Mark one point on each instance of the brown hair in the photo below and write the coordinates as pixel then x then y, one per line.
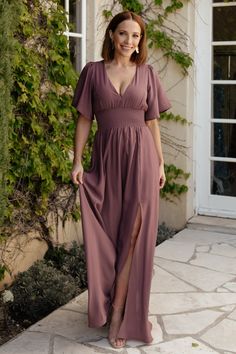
pixel 108 50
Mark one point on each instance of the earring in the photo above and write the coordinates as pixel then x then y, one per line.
pixel 137 50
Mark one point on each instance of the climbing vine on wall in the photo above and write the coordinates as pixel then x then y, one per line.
pixel 42 126
pixel 8 23
pixel 166 36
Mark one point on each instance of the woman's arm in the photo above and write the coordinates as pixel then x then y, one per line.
pixel 153 125
pixel 82 130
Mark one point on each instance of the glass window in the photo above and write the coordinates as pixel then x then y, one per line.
pixel 224 62
pixel 223 178
pixel 224 143
pixel 76 31
pixel 224 28
pixel 225 1
pixel 224 101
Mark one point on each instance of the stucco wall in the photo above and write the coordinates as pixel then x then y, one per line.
pixel 181 93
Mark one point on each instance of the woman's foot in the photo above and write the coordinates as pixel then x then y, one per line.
pixel 116 319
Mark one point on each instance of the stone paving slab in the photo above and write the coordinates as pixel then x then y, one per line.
pixel 190 323
pixel 222 335
pixel 175 303
pixel 192 306
pixel 186 345
pixel 201 238
pixel 221 264
pixel 176 251
pixel 224 250
pixel 64 346
pixel 35 343
pixel 69 324
pixel 169 283
pixel 199 277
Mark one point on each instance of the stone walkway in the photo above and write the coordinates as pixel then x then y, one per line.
pixel 192 305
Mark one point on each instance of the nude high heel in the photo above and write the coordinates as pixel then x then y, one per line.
pixel 112 339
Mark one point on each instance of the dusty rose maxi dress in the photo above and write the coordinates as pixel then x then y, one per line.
pixel 123 176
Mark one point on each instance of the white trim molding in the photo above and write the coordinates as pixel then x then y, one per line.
pixel 208 203
pixel 82 4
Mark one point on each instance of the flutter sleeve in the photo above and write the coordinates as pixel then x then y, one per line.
pixel 83 95
pixel 157 100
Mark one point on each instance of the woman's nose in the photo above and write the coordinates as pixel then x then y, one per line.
pixel 128 39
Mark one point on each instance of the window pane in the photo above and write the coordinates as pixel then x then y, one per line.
pixel 224 101
pixel 75 15
pixel 223 140
pixel 224 19
pixel 225 62
pixel 223 178
pixel 75 50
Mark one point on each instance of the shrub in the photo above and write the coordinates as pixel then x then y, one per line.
pixel 71 262
pixel 40 290
pixel 164 233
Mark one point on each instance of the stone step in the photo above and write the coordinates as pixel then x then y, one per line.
pixel 212 223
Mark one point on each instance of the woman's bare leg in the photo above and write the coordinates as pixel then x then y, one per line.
pixel 122 285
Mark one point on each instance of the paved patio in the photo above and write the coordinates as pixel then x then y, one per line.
pixel 192 305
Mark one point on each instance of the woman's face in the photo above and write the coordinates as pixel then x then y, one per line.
pixel 126 37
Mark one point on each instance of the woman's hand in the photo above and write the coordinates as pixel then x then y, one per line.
pixel 77 173
pixel 162 178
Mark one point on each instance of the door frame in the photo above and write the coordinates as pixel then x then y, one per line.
pixel 206 203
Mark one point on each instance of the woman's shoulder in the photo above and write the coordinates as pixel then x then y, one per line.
pixel 147 71
pixel 147 68
pixel 91 65
pixel 152 72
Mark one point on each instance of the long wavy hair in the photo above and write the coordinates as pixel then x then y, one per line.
pixel 108 50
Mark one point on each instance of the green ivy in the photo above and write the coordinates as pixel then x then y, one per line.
pixel 42 127
pixel 173 186
pixel 2 271
pixel 174 6
pixel 132 5
pixel 107 14
pixel 169 116
pixel 8 23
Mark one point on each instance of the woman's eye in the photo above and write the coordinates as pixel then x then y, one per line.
pixel 136 35
pixel 121 33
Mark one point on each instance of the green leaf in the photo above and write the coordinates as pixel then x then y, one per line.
pixel 194 345
pixel 107 14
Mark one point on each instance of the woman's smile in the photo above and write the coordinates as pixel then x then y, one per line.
pixel 126 47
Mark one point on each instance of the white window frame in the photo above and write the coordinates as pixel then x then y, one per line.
pixel 207 203
pixel 82 34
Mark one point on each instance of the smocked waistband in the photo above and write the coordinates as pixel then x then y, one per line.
pixel 121 117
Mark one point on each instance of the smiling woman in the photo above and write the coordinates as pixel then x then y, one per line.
pixel 125 40
pixel 119 194
pixel 128 34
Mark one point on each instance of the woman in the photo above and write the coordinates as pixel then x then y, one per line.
pixel 119 194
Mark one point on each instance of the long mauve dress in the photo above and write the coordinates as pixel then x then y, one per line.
pixel 123 176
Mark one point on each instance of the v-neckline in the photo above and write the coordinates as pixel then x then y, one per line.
pixel 111 84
